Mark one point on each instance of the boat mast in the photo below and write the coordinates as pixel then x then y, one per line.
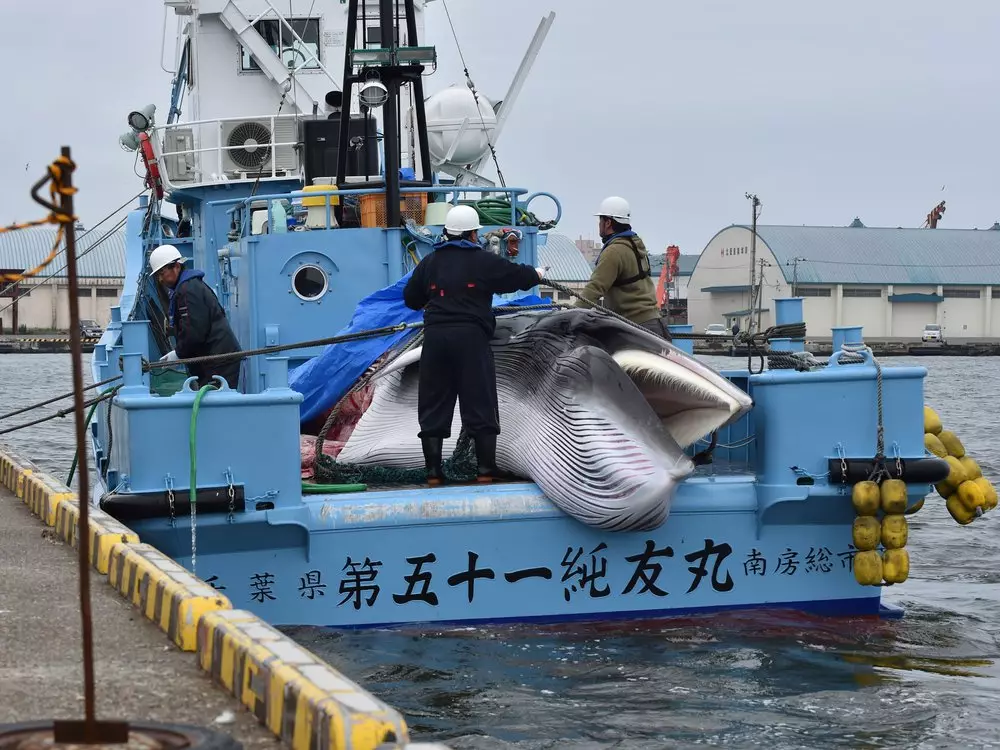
pixel 383 64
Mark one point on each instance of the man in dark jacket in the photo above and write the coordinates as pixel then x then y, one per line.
pixel 454 285
pixel 623 276
pixel 198 320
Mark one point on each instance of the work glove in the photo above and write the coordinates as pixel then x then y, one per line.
pixel 540 270
pixel 170 356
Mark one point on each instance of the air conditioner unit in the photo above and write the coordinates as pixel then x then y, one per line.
pixel 251 147
pixel 180 167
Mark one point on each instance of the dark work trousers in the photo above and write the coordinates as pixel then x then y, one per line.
pixel 228 370
pixel 457 361
pixel 659 327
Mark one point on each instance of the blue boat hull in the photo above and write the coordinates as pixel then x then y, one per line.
pixel 472 554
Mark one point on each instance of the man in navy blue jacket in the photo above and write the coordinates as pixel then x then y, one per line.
pixel 199 322
pixel 454 285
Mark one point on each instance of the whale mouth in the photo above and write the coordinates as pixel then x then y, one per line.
pixel 688 405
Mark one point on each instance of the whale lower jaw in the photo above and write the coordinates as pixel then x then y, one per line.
pixel 689 406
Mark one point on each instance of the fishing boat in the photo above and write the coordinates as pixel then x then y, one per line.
pixel 306 198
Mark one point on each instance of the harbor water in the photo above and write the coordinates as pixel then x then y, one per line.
pixel 928 680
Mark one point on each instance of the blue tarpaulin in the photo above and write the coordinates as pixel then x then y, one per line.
pixel 325 379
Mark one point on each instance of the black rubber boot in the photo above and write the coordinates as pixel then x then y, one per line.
pixel 486 459
pixel 432 459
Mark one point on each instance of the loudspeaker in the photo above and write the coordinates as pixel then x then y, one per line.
pixel 321 142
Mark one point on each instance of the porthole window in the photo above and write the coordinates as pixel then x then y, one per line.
pixel 309 283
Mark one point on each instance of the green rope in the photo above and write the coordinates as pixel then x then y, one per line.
pixel 331 489
pixel 497 211
pixel 462 466
pixel 86 423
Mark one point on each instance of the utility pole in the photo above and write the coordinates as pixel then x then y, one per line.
pixel 755 203
pixel 794 263
pixel 760 290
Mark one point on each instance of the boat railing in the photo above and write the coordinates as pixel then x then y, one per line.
pixel 315 206
pixel 198 153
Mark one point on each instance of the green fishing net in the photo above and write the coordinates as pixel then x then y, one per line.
pixel 166 382
pixel 461 466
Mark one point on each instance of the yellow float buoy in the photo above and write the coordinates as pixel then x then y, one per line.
pixel 932 422
pixel 958 511
pixel 895 565
pixel 894 531
pixel 866 532
pixel 866 498
pixel 893 496
pixel 989 492
pixel 972 470
pixel 951 443
pixel 956 473
pixel 933 443
pixel 971 495
pixel 868 568
pixel 916 506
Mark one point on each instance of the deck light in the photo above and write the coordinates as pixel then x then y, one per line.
pixel 373 94
pixel 142 119
pixel 129 141
pixel 416 55
pixel 376 56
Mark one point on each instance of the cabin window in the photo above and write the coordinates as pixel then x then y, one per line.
pixel 309 283
pixel 301 55
pixel 373 36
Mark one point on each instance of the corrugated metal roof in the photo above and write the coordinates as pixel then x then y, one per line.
pixel 685 264
pixel 564 258
pixel 883 255
pixel 26 248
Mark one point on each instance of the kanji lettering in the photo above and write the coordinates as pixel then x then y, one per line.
pixel 358 580
pixel 469 576
pixel 422 577
pixel 311 584
pixel 260 587
pixel 587 575
pixel 519 575
pixel 212 581
pixel 755 564
pixel 819 560
pixel 788 562
pixel 647 571
pixel 847 558
pixel 721 552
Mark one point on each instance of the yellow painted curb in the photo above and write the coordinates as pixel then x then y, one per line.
pixel 301 699
pixel 163 591
pixel 43 494
pixel 104 531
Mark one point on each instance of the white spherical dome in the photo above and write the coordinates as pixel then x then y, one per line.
pixel 446 111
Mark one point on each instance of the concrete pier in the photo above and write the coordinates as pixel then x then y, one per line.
pixel 168 646
pixel 139 675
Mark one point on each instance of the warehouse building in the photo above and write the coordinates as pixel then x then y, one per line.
pixel 42 303
pixel 567 265
pixel 892 282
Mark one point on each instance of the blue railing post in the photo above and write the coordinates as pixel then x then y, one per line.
pixel 277 373
pixel 685 345
pixel 135 349
pixel 788 310
pixel 846 335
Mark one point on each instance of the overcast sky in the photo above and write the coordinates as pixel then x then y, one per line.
pixel 878 109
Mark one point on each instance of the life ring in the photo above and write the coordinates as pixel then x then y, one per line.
pixel 153 179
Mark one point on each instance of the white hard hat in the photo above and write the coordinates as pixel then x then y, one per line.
pixel 617 208
pixel 163 256
pixel 462 219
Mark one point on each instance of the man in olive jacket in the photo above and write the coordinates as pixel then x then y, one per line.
pixel 622 276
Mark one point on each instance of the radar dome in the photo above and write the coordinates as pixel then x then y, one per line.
pixel 446 111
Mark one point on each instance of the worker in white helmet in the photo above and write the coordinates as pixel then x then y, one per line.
pixel 198 320
pixel 622 276
pixel 454 285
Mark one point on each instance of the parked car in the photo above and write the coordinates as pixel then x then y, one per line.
pixel 932 332
pixel 90 330
pixel 716 329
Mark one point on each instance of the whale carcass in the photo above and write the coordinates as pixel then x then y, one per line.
pixel 595 411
